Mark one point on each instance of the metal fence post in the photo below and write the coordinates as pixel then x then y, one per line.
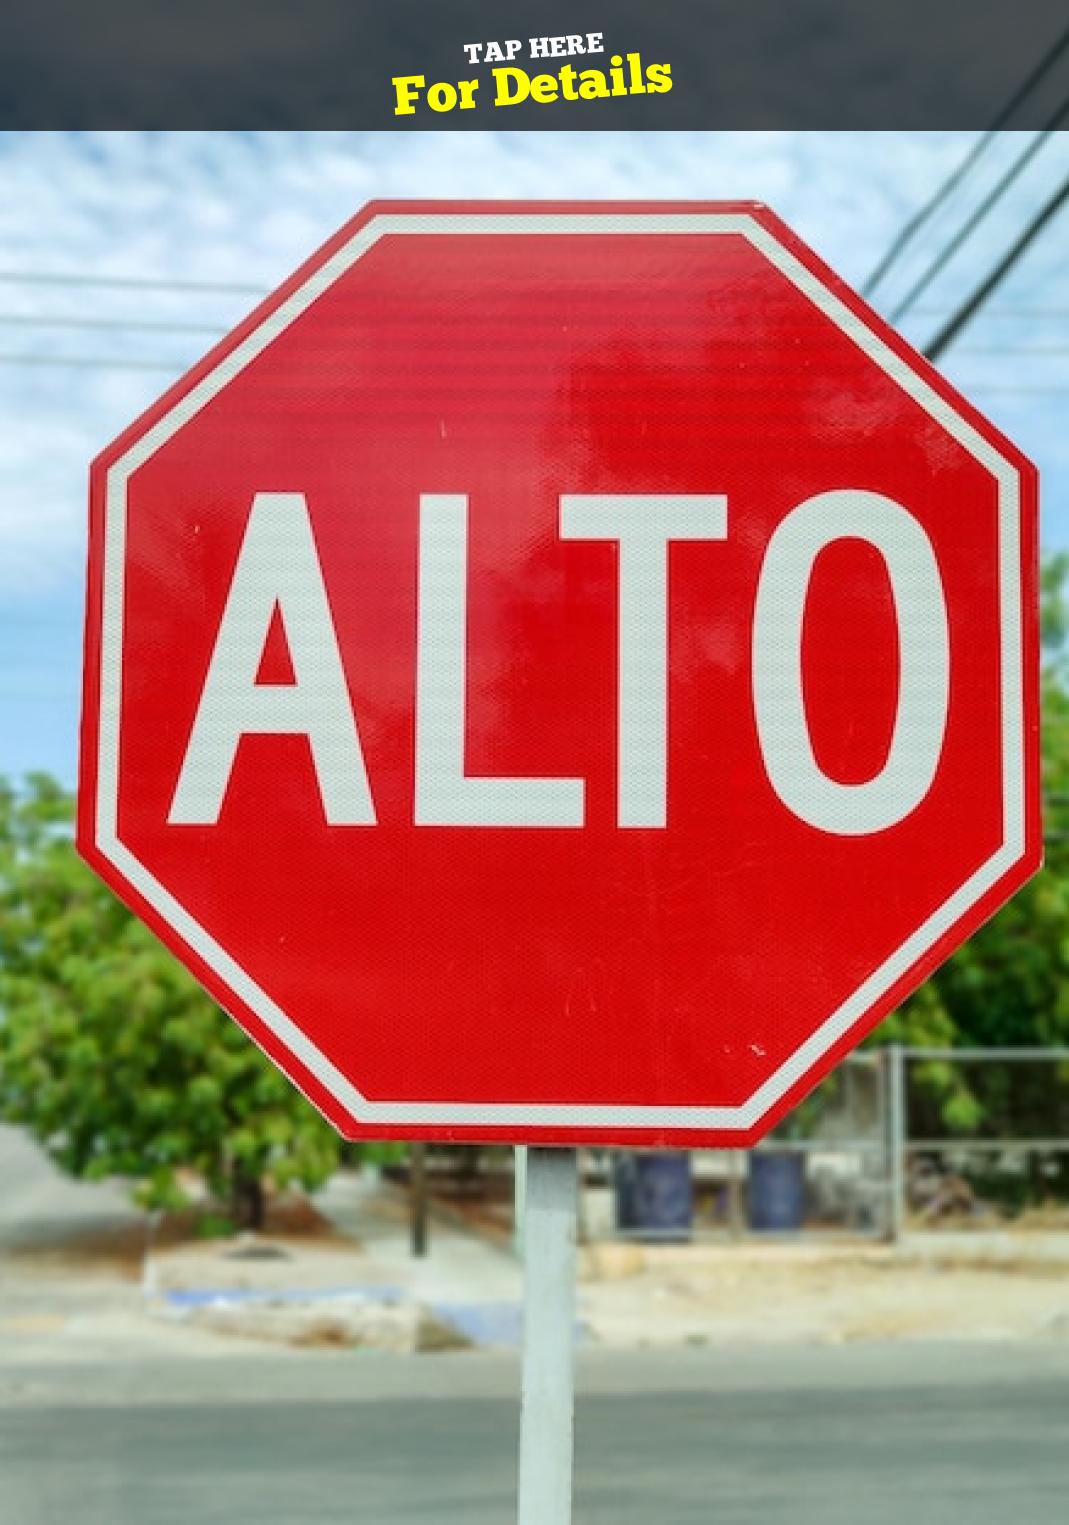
pixel 417 1191
pixel 898 1134
pixel 519 1197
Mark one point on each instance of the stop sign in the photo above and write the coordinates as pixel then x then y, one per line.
pixel 561 672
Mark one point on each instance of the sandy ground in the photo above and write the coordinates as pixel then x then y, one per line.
pixel 76 1284
pixel 199 1299
pixel 746 1294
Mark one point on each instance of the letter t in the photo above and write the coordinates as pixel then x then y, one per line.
pixel 643 526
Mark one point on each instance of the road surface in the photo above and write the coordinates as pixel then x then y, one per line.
pixel 895 1434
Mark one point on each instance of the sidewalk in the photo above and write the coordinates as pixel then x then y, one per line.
pixel 76 1285
pixel 968 1286
pixel 81 1280
pixel 360 1284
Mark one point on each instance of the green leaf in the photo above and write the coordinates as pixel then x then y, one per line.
pixel 110 1053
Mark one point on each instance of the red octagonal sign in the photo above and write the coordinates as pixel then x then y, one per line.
pixel 561 672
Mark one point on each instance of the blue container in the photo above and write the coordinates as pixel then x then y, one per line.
pixel 777 1192
pixel 654 1195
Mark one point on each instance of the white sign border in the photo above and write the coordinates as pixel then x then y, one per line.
pixel 639 1119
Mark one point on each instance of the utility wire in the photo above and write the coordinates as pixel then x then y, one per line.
pixel 175 368
pixel 1013 349
pixel 97 362
pixel 140 325
pixel 933 350
pixel 64 320
pixel 978 213
pixel 954 325
pixel 919 218
pixel 917 221
pixel 143 283
pixel 999 312
pixel 215 330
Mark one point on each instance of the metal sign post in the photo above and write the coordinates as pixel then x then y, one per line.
pixel 547 1414
pixel 519 1192
pixel 626 665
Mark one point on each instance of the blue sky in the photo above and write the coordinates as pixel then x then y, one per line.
pixel 242 210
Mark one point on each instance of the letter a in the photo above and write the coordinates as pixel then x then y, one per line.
pixel 277 567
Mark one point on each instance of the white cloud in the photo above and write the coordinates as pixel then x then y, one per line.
pixel 247 209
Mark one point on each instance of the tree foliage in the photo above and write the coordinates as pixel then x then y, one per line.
pixel 119 1063
pixel 1008 986
pixel 112 1055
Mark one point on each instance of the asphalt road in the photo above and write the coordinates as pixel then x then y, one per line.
pixel 912 1434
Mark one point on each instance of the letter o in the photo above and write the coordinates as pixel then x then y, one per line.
pixel 442 96
pixel 924 663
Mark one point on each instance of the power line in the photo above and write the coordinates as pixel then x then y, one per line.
pixel 1045 64
pixel 91 362
pixel 917 221
pixel 999 312
pixel 954 325
pixel 935 348
pixel 134 282
pixel 978 213
pixel 174 368
pixel 145 325
pixel 121 363
pixel 1014 349
pixel 215 330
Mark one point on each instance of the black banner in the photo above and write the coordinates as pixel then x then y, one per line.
pixel 470 65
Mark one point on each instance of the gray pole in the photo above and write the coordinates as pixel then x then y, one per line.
pixel 519 1196
pixel 737 1160
pixel 417 1188
pixel 899 1128
pixel 546 1418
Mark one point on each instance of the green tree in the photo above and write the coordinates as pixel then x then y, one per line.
pixel 1008 986
pixel 112 1055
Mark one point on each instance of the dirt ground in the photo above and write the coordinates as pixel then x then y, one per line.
pixel 302 1291
pixel 91 1278
pixel 748 1294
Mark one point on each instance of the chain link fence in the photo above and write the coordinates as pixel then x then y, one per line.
pixel 978 1137
pixel 895 1140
